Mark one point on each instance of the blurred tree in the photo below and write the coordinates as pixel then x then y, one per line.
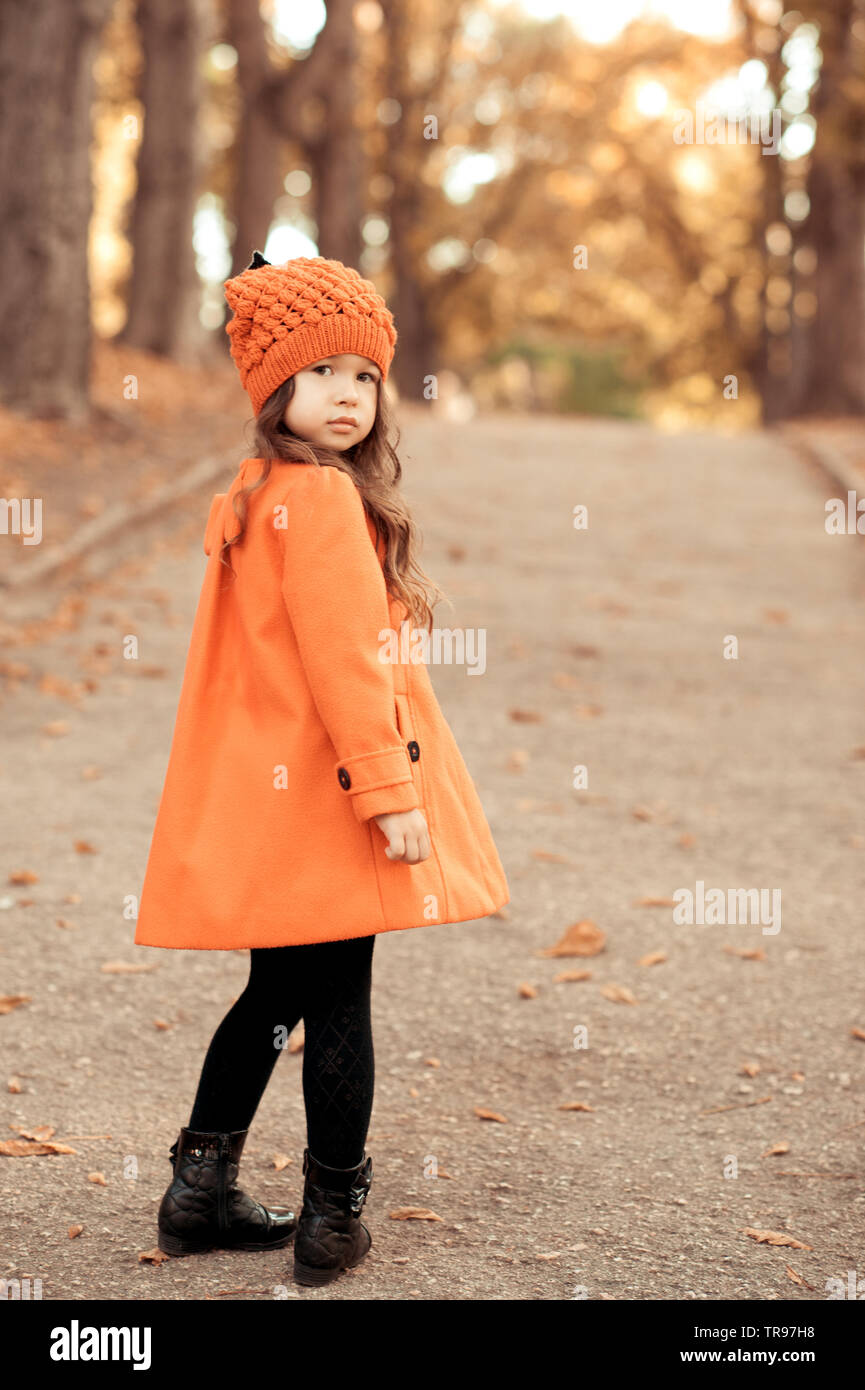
pixel 572 160
pixel 810 355
pixel 164 289
pixel 313 102
pixel 418 42
pixel 257 145
pixel 835 363
pixel 46 90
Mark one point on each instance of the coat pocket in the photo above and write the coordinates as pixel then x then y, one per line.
pixel 408 735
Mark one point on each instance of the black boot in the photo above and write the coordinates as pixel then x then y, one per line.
pixel 330 1234
pixel 204 1209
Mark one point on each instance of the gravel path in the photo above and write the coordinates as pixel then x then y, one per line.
pixel 740 773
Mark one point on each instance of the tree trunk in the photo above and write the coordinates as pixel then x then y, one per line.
pixel 835 380
pixel 48 49
pixel 314 104
pixel 417 346
pixel 257 147
pixel 165 290
pixel 835 377
pixel 339 183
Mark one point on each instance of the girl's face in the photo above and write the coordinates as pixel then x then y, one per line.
pixel 342 385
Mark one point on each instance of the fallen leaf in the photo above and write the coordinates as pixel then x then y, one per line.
pixel 580 939
pixel 281 1161
pixel 64 922
pixel 8 1002
pixel 56 728
pixel 75 1231
pixel 27 1148
pixel 432 1062
pixel 749 1069
pixel 618 994
pixel 577 1105
pixel 161 1024
pixel 739 1105
pixel 797 1278
pixel 152 1257
pixel 570 975
pixel 489 1115
pixel 98 1178
pixel 775 1238
pixel 525 716
pixel 22 876
pixel 781 1148
pixel 38 1131
pixel 746 952
pixel 84 847
pixel 549 857
pixel 413 1214
pixel 650 901
pixel 14 1085
pixel 653 958
pixel 855 1032
pixel 527 992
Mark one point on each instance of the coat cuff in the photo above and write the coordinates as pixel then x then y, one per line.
pixel 378 782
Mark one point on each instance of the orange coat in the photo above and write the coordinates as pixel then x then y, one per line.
pixel 291 735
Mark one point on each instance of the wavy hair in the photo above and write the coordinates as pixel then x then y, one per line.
pixel 375 469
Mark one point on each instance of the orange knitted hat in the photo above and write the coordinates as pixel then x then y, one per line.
pixel 287 316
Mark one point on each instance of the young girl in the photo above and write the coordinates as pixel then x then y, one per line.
pixel 315 795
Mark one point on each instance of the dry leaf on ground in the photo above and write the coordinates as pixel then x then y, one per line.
pixel 580 939
pixel 775 1238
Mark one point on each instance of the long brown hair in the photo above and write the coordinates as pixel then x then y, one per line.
pixel 374 468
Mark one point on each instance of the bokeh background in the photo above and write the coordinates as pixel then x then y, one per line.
pixel 459 154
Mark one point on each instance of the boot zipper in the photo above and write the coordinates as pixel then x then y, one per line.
pixel 222 1184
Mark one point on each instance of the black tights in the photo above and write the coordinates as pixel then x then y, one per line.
pixel 328 985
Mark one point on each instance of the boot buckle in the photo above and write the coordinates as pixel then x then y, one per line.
pixel 358 1193
pixel 206 1151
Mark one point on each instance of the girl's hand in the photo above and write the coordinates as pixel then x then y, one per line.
pixel 407 834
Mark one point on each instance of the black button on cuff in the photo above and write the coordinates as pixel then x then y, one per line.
pixel 344 779
pixel 413 750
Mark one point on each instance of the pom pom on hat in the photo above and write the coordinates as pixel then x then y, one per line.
pixel 288 316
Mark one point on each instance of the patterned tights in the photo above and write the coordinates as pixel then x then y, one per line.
pixel 328 985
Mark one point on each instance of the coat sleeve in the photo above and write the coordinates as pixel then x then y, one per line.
pixel 335 594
